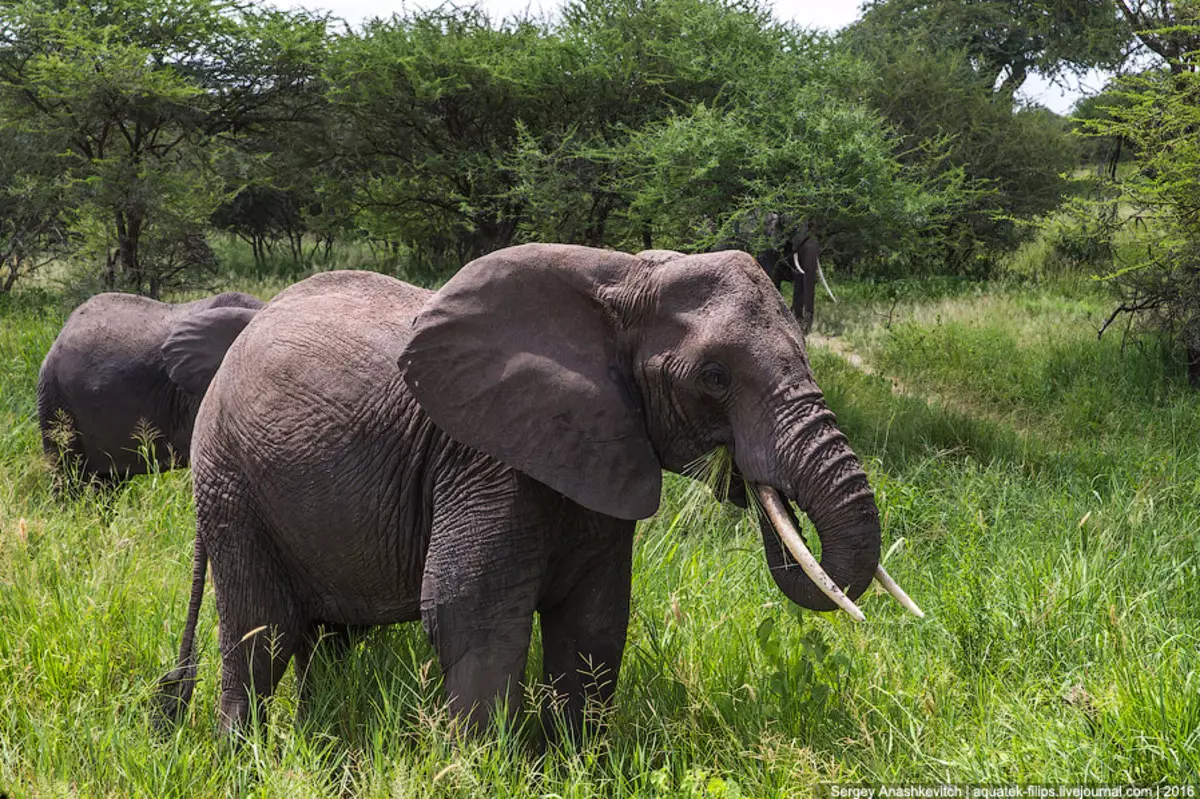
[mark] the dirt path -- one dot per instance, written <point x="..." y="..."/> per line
<point x="840" y="347"/>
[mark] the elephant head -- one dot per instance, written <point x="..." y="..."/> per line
<point x="196" y="346"/>
<point x="591" y="371"/>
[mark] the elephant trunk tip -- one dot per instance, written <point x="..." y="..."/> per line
<point x="776" y="511"/>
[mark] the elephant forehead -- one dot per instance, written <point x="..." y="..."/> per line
<point x="716" y="284"/>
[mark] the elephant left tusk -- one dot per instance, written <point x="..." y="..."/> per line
<point x="821" y="274"/>
<point x="896" y="591"/>
<point x="773" y="505"/>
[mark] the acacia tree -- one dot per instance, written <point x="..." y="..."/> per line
<point x="427" y="108"/>
<point x="1156" y="273"/>
<point x="1165" y="28"/>
<point x="32" y="231"/>
<point x="1006" y="40"/>
<point x="149" y="98"/>
<point x="462" y="137"/>
<point x="696" y="120"/>
<point x="943" y="74"/>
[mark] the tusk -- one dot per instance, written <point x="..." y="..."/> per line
<point x="896" y="591"/>
<point x="773" y="505"/>
<point x="821" y="274"/>
<point x="796" y="261"/>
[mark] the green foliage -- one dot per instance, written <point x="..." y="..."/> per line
<point x="1082" y="238"/>
<point x="429" y="105"/>
<point x="1006" y="40"/>
<point x="707" y="177"/>
<point x="1152" y="207"/>
<point x="1164" y="28"/>
<point x="437" y="136"/>
<point x="1102" y="151"/>
<point x="32" y="229"/>
<point x="147" y="99"/>
<point x="663" y="123"/>
<point x="803" y="682"/>
<point x="1012" y="159"/>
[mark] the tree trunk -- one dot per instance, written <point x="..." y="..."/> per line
<point x="129" y="230"/>
<point x="14" y="269"/>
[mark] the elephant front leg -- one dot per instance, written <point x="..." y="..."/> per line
<point x="483" y="571"/>
<point x="583" y="638"/>
<point x="483" y="653"/>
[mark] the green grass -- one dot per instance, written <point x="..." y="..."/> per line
<point x="1044" y="512"/>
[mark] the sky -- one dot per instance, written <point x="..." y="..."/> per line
<point x="829" y="15"/>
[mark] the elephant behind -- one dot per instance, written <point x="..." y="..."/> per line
<point x="105" y="381"/>
<point x="792" y="254"/>
<point x="371" y="452"/>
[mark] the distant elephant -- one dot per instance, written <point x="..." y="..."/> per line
<point x="105" y="381"/>
<point x="796" y="259"/>
<point x="371" y="452"/>
<point x="794" y="255"/>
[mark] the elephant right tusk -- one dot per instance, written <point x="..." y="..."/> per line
<point x="893" y="588"/>
<point x="824" y="282"/>
<point x="796" y="261"/>
<point x="773" y="506"/>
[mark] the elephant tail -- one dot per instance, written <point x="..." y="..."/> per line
<point x="175" y="689"/>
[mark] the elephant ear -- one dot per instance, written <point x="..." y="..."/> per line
<point x="197" y="345"/>
<point x="517" y="356"/>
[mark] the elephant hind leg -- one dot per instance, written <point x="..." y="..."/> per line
<point x="262" y="624"/>
<point x="253" y="660"/>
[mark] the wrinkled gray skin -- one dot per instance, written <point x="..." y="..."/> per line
<point x="106" y="375"/>
<point x="499" y="471"/>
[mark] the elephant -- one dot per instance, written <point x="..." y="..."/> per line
<point x="797" y="260"/>
<point x="106" y="382"/>
<point x="794" y="256"/>
<point x="371" y="452"/>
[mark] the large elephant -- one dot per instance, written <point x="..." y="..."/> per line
<point x="105" y="380"/>
<point x="498" y="471"/>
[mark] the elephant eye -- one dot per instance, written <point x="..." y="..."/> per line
<point x="715" y="378"/>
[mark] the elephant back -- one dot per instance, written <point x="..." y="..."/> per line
<point x="331" y="339"/>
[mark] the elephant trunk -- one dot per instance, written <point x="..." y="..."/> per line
<point x="827" y="481"/>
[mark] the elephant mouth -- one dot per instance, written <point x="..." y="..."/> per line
<point x="773" y="506"/>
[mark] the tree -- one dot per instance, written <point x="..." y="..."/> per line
<point x="1156" y="275"/>
<point x="32" y="229"/>
<point x="1006" y="40"/>
<point x="429" y="105"/>
<point x="1105" y="152"/>
<point x="699" y="118"/>
<point x="949" y="115"/>
<point x="149" y="98"/>
<point x="1165" y="28"/>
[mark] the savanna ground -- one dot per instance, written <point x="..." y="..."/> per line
<point x="1040" y="493"/>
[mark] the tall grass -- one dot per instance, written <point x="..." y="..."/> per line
<point x="1046" y="521"/>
